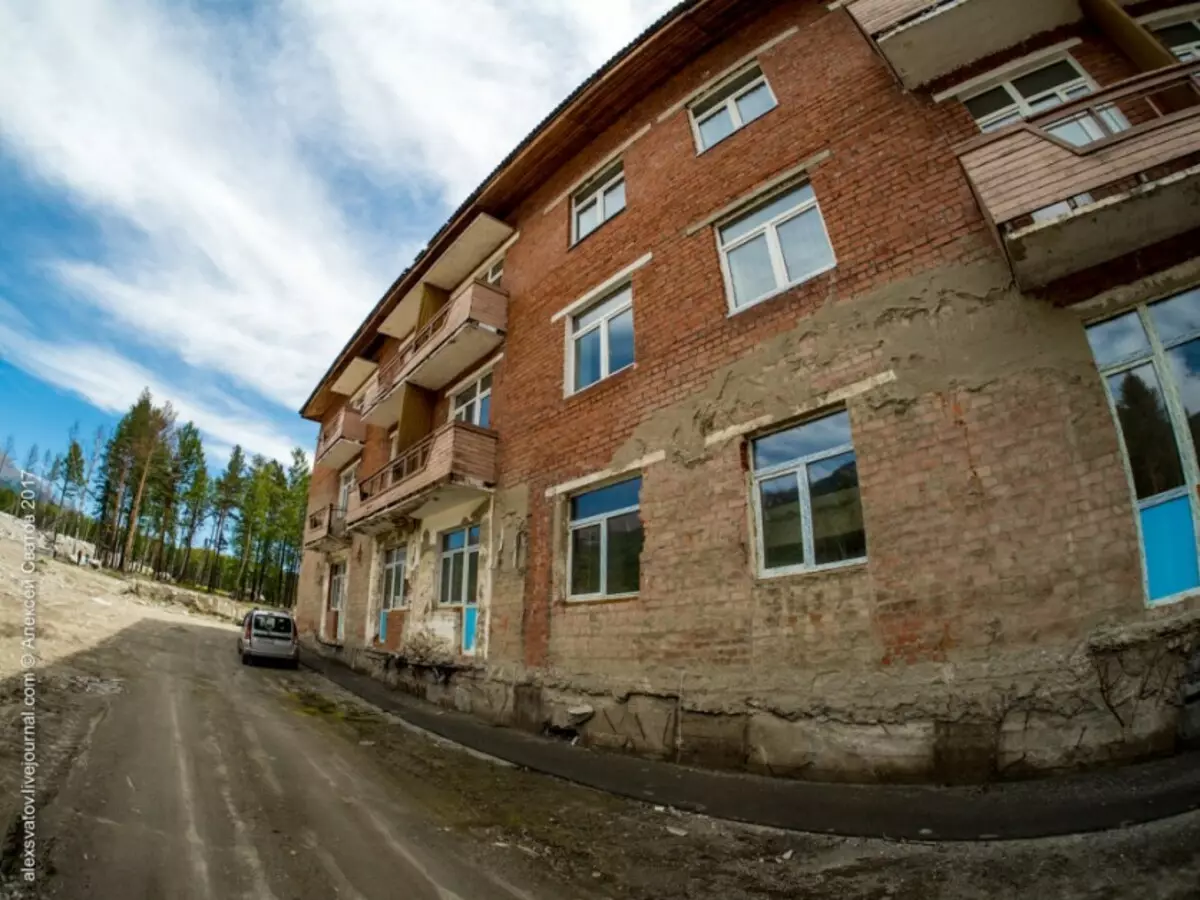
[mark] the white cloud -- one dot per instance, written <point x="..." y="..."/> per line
<point x="215" y="152"/>
<point x="111" y="382"/>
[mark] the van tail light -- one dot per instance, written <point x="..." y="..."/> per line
<point x="246" y="634"/>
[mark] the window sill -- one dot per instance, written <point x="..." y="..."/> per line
<point x="600" y="598"/>
<point x="736" y="310"/>
<point x="1172" y="599"/>
<point x="795" y="571"/>
<point x="608" y="379"/>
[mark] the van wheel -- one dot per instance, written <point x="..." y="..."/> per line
<point x="246" y="661"/>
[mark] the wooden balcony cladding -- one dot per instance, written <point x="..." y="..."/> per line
<point x="457" y="453"/>
<point x="342" y="439"/>
<point x="456" y="338"/>
<point x="1132" y="184"/>
<point x="452" y="340"/>
<point x="325" y="528"/>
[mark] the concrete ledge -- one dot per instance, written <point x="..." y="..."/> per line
<point x="1072" y="804"/>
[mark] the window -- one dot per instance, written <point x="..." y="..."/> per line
<point x="393" y="578"/>
<point x="1040" y="90"/>
<point x="1182" y="38"/>
<point x="733" y="105"/>
<point x="597" y="202"/>
<point x="1150" y="361"/>
<point x="474" y="404"/>
<point x="337" y="585"/>
<point x="495" y="273"/>
<point x="602" y="339"/>
<point x="806" y="497"/>
<point x="605" y="546"/>
<point x="275" y="625"/>
<point x="460" y="567"/>
<point x="345" y="485"/>
<point x="779" y="243"/>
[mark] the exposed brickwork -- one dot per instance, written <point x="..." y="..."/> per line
<point x="1000" y="528"/>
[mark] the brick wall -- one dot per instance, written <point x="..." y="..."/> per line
<point x="1000" y="530"/>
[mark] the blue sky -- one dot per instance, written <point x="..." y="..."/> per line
<point x="206" y="199"/>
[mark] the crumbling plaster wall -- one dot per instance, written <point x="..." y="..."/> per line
<point x="1001" y="538"/>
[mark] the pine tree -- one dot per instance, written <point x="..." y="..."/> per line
<point x="193" y="475"/>
<point x="149" y="430"/>
<point x="227" y="495"/>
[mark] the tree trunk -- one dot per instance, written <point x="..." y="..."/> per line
<point x="137" y="506"/>
<point x="238" y="585"/>
<point x="214" y="567"/>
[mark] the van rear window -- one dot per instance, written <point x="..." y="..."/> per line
<point x="273" y="624"/>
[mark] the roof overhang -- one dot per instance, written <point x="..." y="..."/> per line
<point x="686" y="31"/>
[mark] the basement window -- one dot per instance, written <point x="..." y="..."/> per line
<point x="730" y="107"/>
<point x="459" y="567"/>
<point x="597" y="202"/>
<point x="604" y="549"/>
<point x="806" y="497"/>
<point x="778" y="244"/>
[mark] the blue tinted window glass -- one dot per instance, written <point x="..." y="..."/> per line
<point x="803" y="440"/>
<point x="587" y="359"/>
<point x="453" y="540"/>
<point x="620" y="341"/>
<point x="485" y="412"/>
<point x="606" y="499"/>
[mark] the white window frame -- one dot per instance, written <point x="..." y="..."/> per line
<point x="394" y="569"/>
<point x="479" y="394"/>
<point x="798" y="467"/>
<point x="465" y="550"/>
<point x="593" y="192"/>
<point x="574" y="335"/>
<point x="778" y="265"/>
<point x="728" y="103"/>
<point x="346" y="481"/>
<point x="601" y="519"/>
<point x="495" y="273"/>
<point x="1156" y="356"/>
<point x="336" y="599"/>
<point x="1023" y="105"/>
<point x="1182" y="17"/>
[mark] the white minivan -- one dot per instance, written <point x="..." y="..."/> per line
<point x="269" y="634"/>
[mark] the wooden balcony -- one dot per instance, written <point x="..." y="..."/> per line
<point x="325" y="528"/>
<point x="461" y="334"/>
<point x="923" y="40"/>
<point x="455" y="463"/>
<point x="1060" y="207"/>
<point x="341" y="440"/>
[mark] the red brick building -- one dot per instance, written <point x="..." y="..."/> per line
<point x="812" y="392"/>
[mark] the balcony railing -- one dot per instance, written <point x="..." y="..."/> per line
<point x="341" y="440"/>
<point x="454" y="340"/>
<point x="1093" y="179"/>
<point x="326" y="527"/>
<point x="457" y="454"/>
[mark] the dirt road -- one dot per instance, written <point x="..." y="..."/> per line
<point x="167" y="770"/>
<point x="203" y="781"/>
